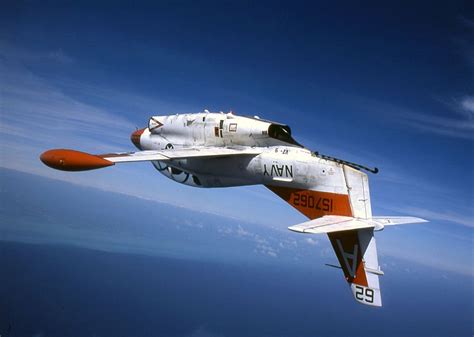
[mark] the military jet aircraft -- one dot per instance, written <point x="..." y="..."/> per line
<point x="222" y="150"/>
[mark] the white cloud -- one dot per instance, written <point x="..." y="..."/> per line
<point x="464" y="219"/>
<point x="454" y="122"/>
<point x="34" y="111"/>
<point x="271" y="253"/>
<point x="432" y="261"/>
<point x="312" y="241"/>
<point x="449" y="126"/>
<point x="242" y="232"/>
<point x="467" y="104"/>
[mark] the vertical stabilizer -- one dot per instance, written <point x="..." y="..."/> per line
<point x="357" y="184"/>
<point x="356" y="252"/>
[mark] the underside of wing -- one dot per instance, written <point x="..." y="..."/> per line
<point x="72" y="160"/>
<point x="396" y="220"/>
<point x="337" y="223"/>
<point x="330" y="224"/>
<point x="184" y="153"/>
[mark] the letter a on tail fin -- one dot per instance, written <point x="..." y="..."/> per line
<point x="357" y="254"/>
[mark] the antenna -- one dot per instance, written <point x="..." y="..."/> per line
<point x="351" y="164"/>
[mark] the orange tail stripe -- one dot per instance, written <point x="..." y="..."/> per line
<point x="314" y="204"/>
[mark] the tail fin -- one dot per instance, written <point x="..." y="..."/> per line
<point x="357" y="184"/>
<point x="356" y="251"/>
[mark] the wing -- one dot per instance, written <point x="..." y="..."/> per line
<point x="172" y="154"/>
<point x="72" y="160"/>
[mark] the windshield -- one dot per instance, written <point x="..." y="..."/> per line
<point x="282" y="133"/>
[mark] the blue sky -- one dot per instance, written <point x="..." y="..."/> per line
<point x="386" y="86"/>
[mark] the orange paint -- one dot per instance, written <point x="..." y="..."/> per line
<point x="135" y="138"/>
<point x="71" y="160"/>
<point x="349" y="240"/>
<point x="314" y="204"/>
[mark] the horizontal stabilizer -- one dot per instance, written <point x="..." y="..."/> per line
<point x="336" y="223"/>
<point x="330" y="224"/>
<point x="396" y="220"/>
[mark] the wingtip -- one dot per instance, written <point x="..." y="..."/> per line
<point x="296" y="229"/>
<point x="72" y="160"/>
<point x="419" y="220"/>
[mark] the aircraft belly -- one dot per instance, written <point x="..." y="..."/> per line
<point x="211" y="172"/>
<point x="272" y="168"/>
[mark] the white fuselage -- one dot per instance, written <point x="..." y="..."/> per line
<point x="282" y="162"/>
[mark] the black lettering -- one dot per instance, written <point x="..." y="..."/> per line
<point x="359" y="293"/>
<point x="289" y="171"/>
<point x="325" y="204"/>
<point x="280" y="170"/>
<point x="366" y="296"/>
<point x="265" y="172"/>
<point x="369" y="294"/>
<point x="273" y="171"/>
<point x="318" y="204"/>
<point x="304" y="200"/>
<point x="296" y="199"/>
<point x="308" y="200"/>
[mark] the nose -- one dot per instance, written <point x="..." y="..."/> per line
<point x="135" y="138"/>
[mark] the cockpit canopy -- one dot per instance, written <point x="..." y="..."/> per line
<point x="282" y="133"/>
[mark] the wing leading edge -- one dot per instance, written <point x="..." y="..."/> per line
<point x="72" y="160"/>
<point x="337" y="223"/>
<point x="185" y="153"/>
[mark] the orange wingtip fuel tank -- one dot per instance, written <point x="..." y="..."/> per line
<point x="71" y="160"/>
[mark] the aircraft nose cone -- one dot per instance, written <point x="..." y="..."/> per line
<point x="135" y="138"/>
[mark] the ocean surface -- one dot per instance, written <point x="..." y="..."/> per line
<point x="78" y="261"/>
